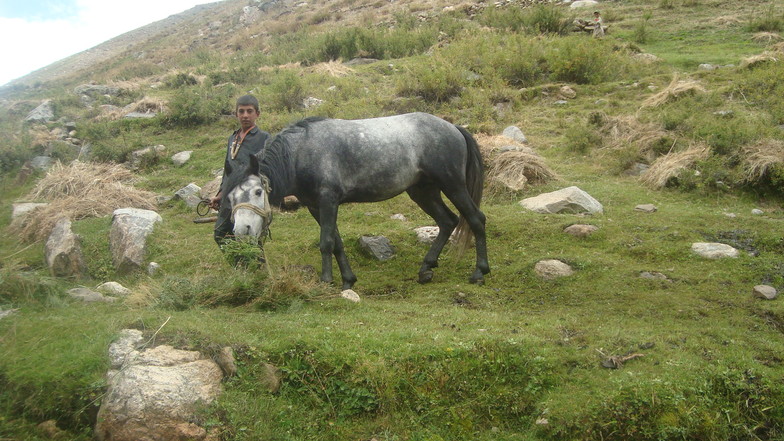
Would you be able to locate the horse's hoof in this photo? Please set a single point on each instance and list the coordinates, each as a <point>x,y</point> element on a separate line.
<point>425,276</point>
<point>477,278</point>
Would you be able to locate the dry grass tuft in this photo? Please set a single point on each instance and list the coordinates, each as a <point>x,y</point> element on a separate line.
<point>77,191</point>
<point>727,20</point>
<point>675,90</point>
<point>149,105</point>
<point>515,169</point>
<point>623,131</point>
<point>672,165</point>
<point>756,60</point>
<point>761,157</point>
<point>332,68</point>
<point>766,37</point>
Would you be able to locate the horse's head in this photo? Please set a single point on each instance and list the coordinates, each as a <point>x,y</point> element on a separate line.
<point>250,207</point>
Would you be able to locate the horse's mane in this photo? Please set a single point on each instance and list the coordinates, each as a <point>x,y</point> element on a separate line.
<point>275,159</point>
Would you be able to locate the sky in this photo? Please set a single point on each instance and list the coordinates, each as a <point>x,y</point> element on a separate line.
<point>36,33</point>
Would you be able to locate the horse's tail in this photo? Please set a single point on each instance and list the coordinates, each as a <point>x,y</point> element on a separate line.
<point>475,178</point>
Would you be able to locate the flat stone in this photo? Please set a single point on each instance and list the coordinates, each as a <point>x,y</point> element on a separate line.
<point>714,250</point>
<point>646,208</point>
<point>350,295</point>
<point>765,292</point>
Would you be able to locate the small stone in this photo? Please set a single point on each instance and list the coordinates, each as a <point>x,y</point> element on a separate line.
<point>225,360</point>
<point>765,292</point>
<point>714,250</point>
<point>553,269</point>
<point>153,268</point>
<point>426,234</point>
<point>398,216</point>
<point>89,296</point>
<point>646,208</point>
<point>113,289</point>
<point>757,212</point>
<point>350,295</point>
<point>653,275</point>
<point>179,159</point>
<point>579,230</point>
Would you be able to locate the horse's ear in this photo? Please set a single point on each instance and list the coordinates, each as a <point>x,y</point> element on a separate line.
<point>253,165</point>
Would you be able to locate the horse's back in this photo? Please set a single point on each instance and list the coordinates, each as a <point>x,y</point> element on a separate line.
<point>377,158</point>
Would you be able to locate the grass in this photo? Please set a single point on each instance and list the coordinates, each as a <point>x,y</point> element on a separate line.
<point>519,358</point>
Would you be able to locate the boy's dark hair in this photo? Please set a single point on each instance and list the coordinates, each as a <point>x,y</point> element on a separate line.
<point>247,100</point>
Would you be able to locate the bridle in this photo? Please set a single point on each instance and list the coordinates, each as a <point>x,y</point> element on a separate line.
<point>265,213</point>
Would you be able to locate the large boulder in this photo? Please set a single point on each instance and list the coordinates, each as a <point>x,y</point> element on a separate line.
<point>128,237</point>
<point>155,393</point>
<point>570,200</point>
<point>41,114</point>
<point>63,251</point>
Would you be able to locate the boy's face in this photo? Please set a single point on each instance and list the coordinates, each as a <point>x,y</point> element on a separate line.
<point>247,116</point>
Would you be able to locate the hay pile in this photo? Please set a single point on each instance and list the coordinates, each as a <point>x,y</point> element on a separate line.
<point>513,169</point>
<point>623,131</point>
<point>676,89</point>
<point>77,191</point>
<point>332,68</point>
<point>672,165</point>
<point>757,60</point>
<point>766,37</point>
<point>761,157</point>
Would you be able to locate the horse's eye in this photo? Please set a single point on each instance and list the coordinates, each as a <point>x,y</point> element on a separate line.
<point>258,192</point>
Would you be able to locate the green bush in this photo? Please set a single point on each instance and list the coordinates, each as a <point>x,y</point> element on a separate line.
<point>547,19</point>
<point>285,92</point>
<point>583,61</point>
<point>190,107</point>
<point>435,82</point>
<point>768,21</point>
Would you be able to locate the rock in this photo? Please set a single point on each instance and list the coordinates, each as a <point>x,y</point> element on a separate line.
<point>140,115</point>
<point>113,289</point>
<point>714,250</point>
<point>569,200</point>
<point>190,194</point>
<point>399,217</point>
<point>63,251</point>
<point>128,237</point>
<point>567,93</point>
<point>513,132</point>
<point>706,66</point>
<point>646,58</point>
<point>210,189</point>
<point>7,312</point>
<point>148,154</point>
<point>179,159</point>
<point>765,292</point>
<point>552,269</point>
<point>757,212</point>
<point>44,113</point>
<point>646,208</point>
<point>41,162</point>
<point>23,208</point>
<point>88,295</point>
<point>360,61</point>
<point>156,396</point>
<point>426,234</point>
<point>653,275</point>
<point>125,347</point>
<point>583,4</point>
<point>96,90</point>
<point>579,230</point>
<point>225,360</point>
<point>271,378</point>
<point>350,295</point>
<point>153,268</point>
<point>561,102</point>
<point>311,102</point>
<point>50,430</point>
<point>377,247</point>
<point>250,15</point>
<point>637,169</point>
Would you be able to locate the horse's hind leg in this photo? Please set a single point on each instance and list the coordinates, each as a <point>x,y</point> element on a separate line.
<point>476,221</point>
<point>428,197</point>
<point>331,243</point>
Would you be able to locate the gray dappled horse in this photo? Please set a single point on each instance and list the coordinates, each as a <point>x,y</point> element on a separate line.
<point>328,162</point>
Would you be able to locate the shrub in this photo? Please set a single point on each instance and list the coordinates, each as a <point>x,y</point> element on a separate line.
<point>436,82</point>
<point>768,21</point>
<point>286,92</point>
<point>547,19</point>
<point>582,61</point>
<point>190,107</point>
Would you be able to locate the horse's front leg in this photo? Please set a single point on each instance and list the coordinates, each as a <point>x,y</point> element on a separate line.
<point>330,243</point>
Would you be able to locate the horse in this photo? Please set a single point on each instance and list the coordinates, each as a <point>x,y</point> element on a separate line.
<point>328,162</point>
